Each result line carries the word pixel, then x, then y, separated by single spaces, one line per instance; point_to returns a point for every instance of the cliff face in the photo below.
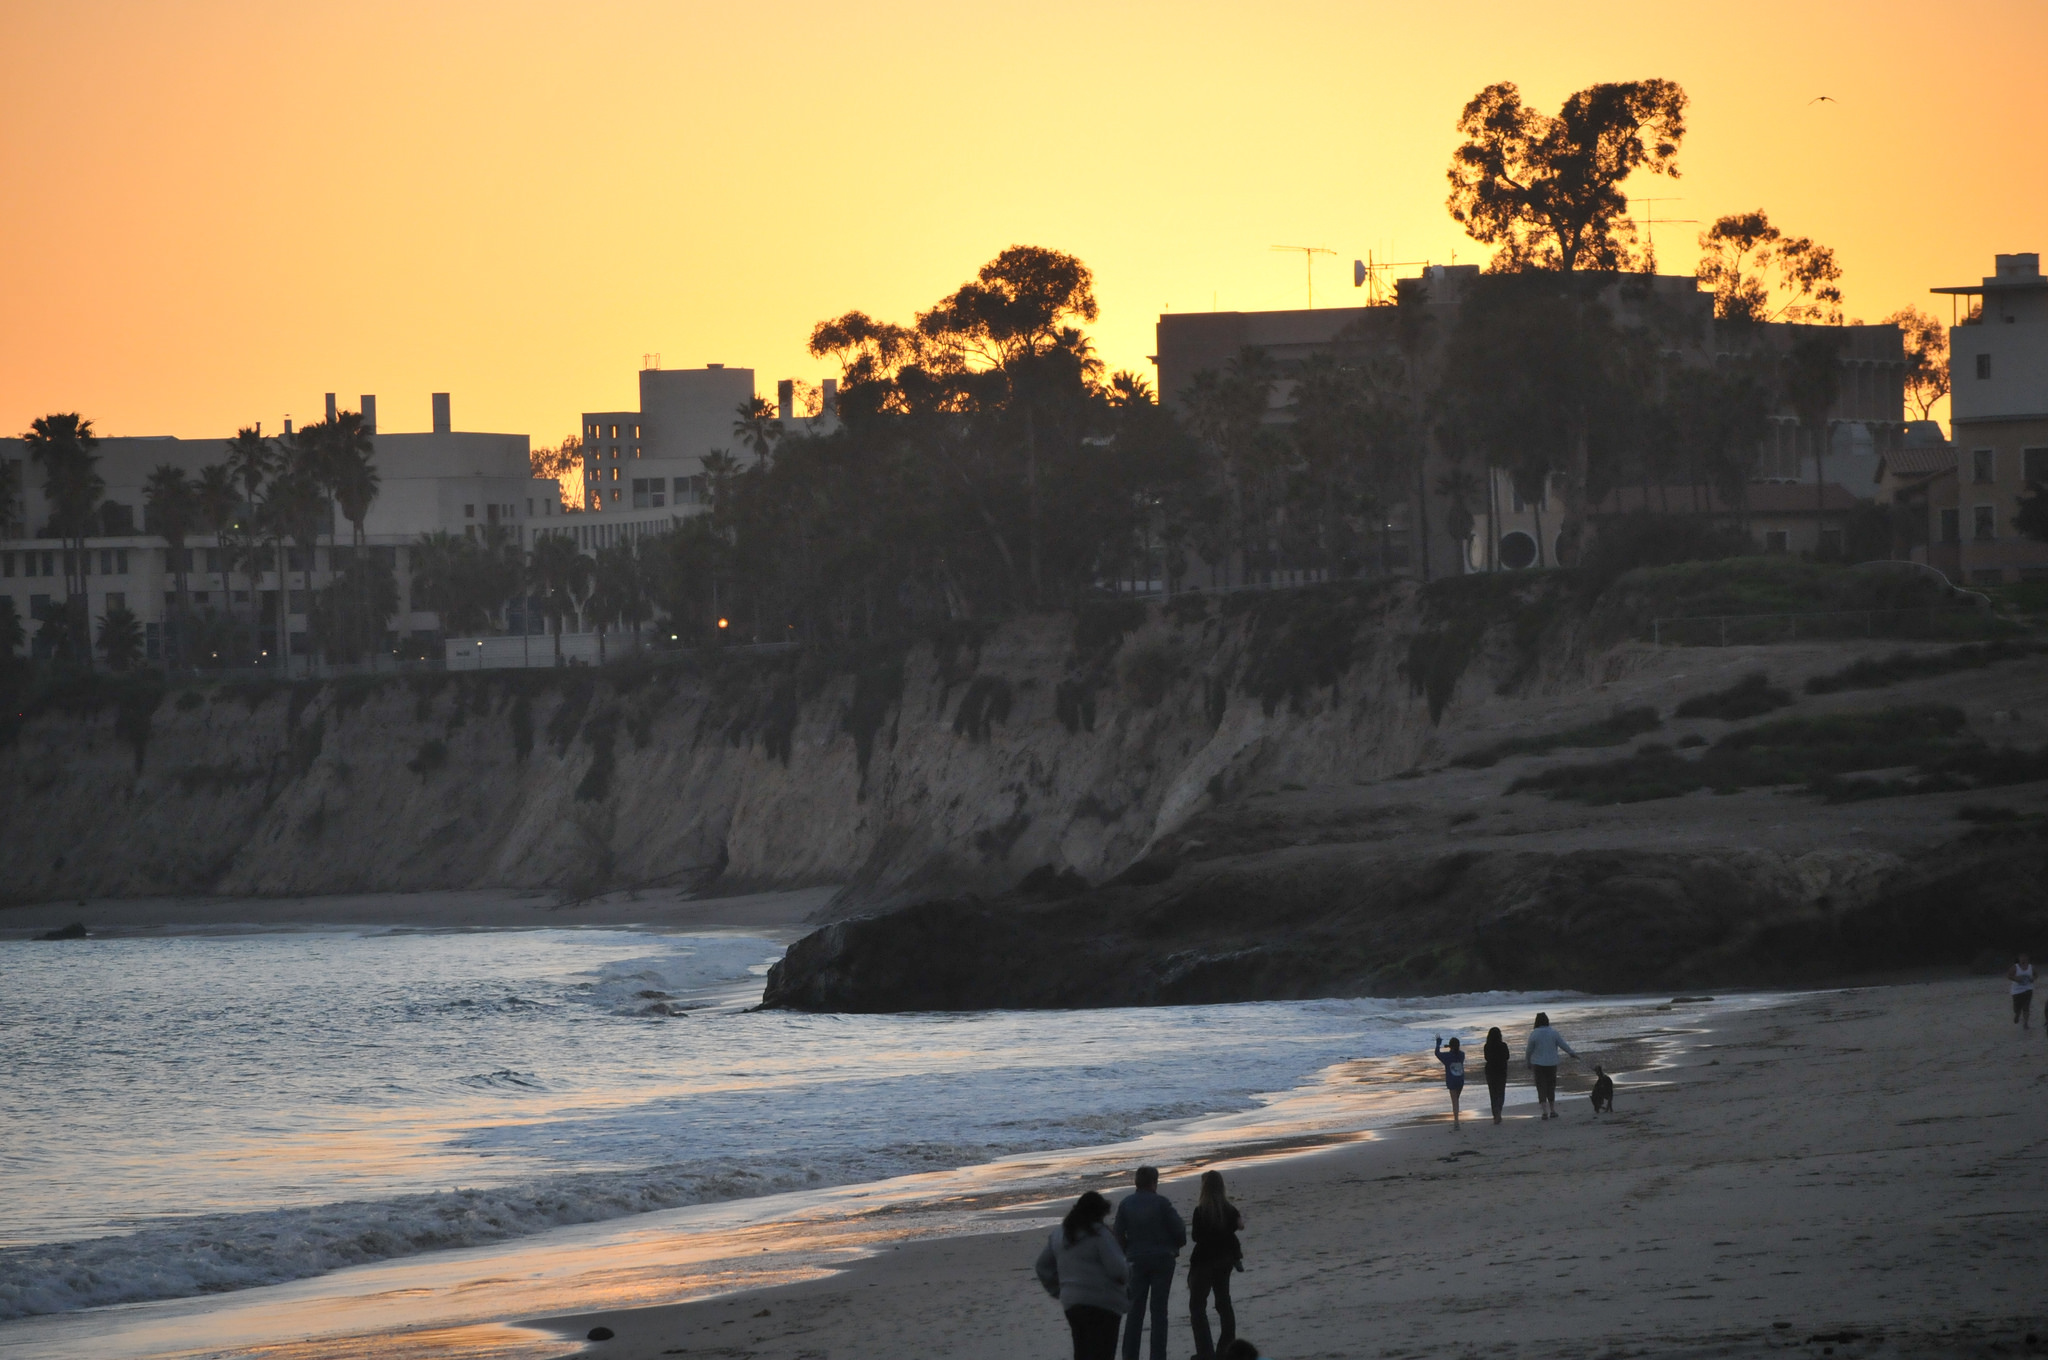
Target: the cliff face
pixel 956 764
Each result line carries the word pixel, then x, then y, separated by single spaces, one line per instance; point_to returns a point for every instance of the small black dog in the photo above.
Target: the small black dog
pixel 1603 1092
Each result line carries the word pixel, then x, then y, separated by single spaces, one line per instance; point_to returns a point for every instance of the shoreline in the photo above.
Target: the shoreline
pixel 1735 1201
pixel 780 915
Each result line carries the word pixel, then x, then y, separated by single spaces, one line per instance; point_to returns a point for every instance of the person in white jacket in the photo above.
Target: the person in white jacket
pixel 1541 1052
pixel 1083 1267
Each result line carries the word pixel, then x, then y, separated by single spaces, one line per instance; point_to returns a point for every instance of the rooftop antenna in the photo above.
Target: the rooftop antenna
pixel 1308 257
pixel 1366 274
pixel 1650 222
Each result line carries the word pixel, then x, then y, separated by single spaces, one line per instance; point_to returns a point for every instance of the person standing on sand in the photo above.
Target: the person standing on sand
pixel 1149 1229
pixel 1495 1053
pixel 1216 1255
pixel 2021 976
pixel 1084 1269
pixel 1541 1052
pixel 1453 1059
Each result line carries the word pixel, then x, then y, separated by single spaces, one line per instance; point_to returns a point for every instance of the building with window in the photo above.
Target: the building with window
pixel 440 479
pixel 1514 532
pixel 643 470
pixel 1998 408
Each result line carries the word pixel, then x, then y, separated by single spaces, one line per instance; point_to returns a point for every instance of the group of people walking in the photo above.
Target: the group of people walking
pixel 1115 1275
pixel 1541 1052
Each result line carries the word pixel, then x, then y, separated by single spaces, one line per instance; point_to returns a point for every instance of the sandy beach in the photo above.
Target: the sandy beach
pixel 1854 1172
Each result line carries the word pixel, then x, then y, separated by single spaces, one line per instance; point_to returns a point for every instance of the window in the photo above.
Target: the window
pixel 636 431
pixel 1774 541
pixel 615 435
pixel 120 561
pixel 298 602
pixel 117 599
pixel 615 495
pixel 469 512
pixel 615 477
pixel 529 507
pixel 1983 523
pixel 1983 365
pixel 1983 465
pixel 6 564
pixel 2034 465
pixel 636 450
pixel 614 453
pixel 213 560
pixel 1951 525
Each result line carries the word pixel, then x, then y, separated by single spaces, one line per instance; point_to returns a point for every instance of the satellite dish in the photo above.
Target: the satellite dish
pixel 1358 273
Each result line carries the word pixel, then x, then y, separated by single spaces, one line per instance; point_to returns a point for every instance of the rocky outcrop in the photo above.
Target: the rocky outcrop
pixel 1351 920
pixel 953 764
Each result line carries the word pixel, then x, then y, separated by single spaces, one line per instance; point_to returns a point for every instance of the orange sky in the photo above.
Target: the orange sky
pixel 216 211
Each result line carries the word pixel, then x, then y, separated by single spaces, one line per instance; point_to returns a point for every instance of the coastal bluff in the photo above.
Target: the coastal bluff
pixel 1376 787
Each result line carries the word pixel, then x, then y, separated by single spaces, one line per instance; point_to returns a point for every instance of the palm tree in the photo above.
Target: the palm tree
pixel 120 637
pixel 219 505
pixel 561 572
pixel 62 445
pixel 619 593
pixel 1813 379
pixel 171 508
pixel 252 460
pixel 757 427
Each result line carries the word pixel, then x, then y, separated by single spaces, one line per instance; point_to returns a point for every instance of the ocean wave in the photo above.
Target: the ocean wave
pixel 218 1253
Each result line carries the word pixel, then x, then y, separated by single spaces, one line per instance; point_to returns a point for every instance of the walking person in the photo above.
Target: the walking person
pixel 1216 1255
pixel 2021 976
pixel 1541 1052
pixel 1495 1052
pixel 1083 1267
pixel 1453 1059
pixel 1149 1229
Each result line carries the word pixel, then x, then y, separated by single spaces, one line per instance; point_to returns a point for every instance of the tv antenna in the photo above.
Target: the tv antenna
pixel 1308 257
pixel 1366 274
pixel 1650 222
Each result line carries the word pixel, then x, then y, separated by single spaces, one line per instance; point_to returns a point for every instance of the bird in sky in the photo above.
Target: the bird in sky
pixel 1823 99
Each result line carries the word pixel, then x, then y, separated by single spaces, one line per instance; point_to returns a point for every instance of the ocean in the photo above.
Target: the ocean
pixel 191 1116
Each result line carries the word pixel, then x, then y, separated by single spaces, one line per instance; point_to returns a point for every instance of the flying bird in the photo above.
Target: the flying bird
pixel 1823 99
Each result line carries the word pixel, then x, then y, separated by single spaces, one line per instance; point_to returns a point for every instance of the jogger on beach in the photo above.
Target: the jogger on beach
pixel 1495 1052
pixel 1084 1269
pixel 2021 976
pixel 1453 1059
pixel 1216 1255
pixel 1541 1051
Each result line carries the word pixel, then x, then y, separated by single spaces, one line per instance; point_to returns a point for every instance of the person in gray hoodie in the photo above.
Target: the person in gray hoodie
pixel 1152 1235
pixel 1083 1267
pixel 1541 1051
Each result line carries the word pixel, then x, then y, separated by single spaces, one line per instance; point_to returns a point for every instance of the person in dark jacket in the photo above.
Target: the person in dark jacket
pixel 1149 1229
pixel 1495 1052
pixel 1216 1255
pixel 1084 1269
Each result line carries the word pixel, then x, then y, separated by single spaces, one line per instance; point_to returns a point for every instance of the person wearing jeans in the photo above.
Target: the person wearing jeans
pixel 1541 1051
pixel 1151 1233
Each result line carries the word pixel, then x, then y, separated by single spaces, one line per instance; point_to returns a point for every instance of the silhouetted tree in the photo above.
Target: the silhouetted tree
pixel 1926 341
pixel 120 637
pixel 1736 255
pixel 171 511
pixel 1546 192
pixel 1812 377
pixel 62 446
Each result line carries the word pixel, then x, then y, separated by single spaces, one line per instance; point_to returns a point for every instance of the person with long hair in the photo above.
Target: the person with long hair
pixel 1495 1052
pixel 1083 1267
pixel 1216 1223
pixel 1541 1051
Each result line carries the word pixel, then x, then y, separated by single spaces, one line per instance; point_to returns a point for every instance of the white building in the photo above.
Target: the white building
pixel 438 479
pixel 644 469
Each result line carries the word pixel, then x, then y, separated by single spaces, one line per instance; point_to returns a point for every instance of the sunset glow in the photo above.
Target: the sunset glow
pixel 219 211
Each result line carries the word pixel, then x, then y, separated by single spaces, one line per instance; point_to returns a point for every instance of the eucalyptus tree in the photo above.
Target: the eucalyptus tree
pixel 171 511
pixel 1736 255
pixel 1926 342
pixel 62 446
pixel 1546 191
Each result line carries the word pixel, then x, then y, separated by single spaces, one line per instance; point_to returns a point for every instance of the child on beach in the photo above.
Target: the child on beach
pixel 1453 1059
pixel 2021 976
pixel 1496 1055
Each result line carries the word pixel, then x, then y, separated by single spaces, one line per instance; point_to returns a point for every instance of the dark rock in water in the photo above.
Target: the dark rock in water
pixel 1349 920
pixel 75 931
pixel 601 1333
pixel 1682 1000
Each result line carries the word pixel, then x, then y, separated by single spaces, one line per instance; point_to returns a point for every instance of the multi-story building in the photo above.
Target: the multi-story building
pixel 1998 420
pixel 1517 532
pixel 434 480
pixel 643 470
